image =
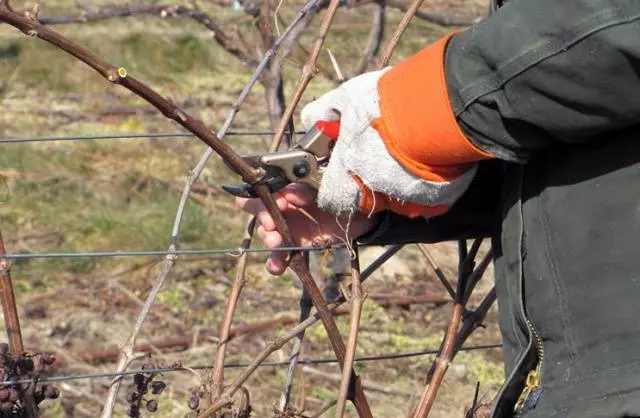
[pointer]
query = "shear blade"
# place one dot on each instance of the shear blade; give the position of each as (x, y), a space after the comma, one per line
(240, 190)
(275, 181)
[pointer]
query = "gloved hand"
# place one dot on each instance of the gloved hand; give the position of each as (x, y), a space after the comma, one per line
(400, 148)
(370, 169)
(308, 224)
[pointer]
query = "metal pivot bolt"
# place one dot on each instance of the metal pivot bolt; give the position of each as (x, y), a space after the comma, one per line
(301, 168)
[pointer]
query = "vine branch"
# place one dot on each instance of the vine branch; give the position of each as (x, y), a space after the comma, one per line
(222, 37)
(357, 300)
(279, 342)
(216, 379)
(308, 72)
(375, 37)
(9, 308)
(12, 326)
(456, 333)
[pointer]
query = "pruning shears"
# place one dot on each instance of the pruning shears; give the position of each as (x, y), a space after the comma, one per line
(302, 163)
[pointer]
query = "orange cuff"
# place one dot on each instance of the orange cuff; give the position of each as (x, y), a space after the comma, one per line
(374, 202)
(417, 125)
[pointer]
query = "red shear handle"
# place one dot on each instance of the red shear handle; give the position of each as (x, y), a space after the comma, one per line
(329, 128)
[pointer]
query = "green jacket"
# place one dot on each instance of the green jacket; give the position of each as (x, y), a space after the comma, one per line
(552, 88)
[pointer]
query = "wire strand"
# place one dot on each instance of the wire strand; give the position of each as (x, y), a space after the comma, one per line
(123, 135)
(388, 356)
(211, 251)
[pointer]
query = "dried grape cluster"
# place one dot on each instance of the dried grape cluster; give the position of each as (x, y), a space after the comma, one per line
(143, 383)
(23, 366)
(193, 402)
(239, 408)
(289, 413)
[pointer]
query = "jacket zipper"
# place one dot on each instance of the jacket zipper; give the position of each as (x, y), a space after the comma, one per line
(533, 384)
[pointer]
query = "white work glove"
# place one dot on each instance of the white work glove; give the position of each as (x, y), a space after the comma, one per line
(361, 152)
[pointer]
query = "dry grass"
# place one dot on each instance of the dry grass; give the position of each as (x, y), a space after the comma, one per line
(104, 195)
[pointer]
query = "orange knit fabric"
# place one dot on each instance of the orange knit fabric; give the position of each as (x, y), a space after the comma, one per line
(417, 125)
(371, 202)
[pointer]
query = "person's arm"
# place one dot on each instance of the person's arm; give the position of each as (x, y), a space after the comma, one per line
(475, 215)
(544, 72)
(538, 73)
(535, 74)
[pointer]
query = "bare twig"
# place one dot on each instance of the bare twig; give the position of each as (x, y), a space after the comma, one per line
(324, 409)
(322, 70)
(216, 378)
(273, 346)
(284, 40)
(467, 256)
(197, 170)
(455, 337)
(187, 340)
(179, 11)
(286, 121)
(410, 12)
(114, 285)
(440, 19)
(218, 33)
(464, 262)
(444, 356)
(357, 299)
(126, 355)
(194, 174)
(242, 408)
(336, 67)
(474, 404)
(383, 258)
(437, 270)
(391, 251)
(120, 76)
(272, 80)
(9, 308)
(12, 326)
(297, 265)
(473, 320)
(297, 262)
(393, 43)
(110, 13)
(308, 71)
(375, 37)
(305, 311)
(302, 394)
(279, 342)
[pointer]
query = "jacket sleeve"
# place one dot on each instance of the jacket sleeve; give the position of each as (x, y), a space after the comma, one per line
(544, 72)
(537, 73)
(475, 215)
(534, 74)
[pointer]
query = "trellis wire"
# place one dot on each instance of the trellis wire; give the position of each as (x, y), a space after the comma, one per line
(124, 135)
(388, 356)
(211, 251)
